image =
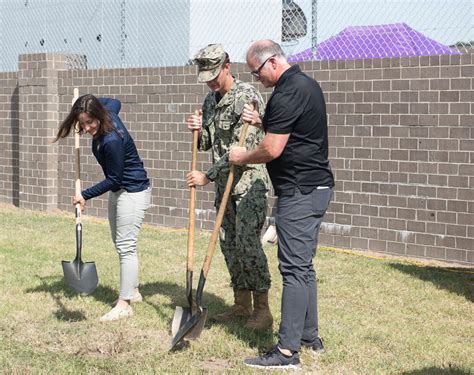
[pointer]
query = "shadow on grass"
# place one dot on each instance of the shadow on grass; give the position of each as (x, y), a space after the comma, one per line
(261, 340)
(456, 280)
(58, 289)
(215, 305)
(438, 371)
(56, 285)
(171, 290)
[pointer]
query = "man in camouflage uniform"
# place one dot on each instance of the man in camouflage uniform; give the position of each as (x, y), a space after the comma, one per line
(219, 124)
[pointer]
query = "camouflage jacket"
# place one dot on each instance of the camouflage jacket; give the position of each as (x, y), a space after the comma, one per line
(221, 128)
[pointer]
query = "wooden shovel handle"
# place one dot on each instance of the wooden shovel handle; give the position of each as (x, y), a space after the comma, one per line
(222, 208)
(77, 152)
(192, 204)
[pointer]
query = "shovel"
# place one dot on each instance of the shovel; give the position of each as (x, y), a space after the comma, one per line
(81, 277)
(195, 324)
(183, 314)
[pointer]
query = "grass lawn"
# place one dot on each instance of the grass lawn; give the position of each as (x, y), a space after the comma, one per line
(377, 316)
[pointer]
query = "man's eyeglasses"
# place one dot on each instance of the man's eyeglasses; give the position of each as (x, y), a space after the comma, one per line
(256, 72)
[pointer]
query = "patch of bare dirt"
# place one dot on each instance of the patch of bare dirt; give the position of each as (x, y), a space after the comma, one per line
(216, 365)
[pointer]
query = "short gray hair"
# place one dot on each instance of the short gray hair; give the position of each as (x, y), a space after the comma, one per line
(262, 49)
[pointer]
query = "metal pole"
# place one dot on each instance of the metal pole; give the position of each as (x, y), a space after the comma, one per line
(314, 28)
(123, 35)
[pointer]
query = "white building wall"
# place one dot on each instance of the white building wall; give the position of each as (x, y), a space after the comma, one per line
(233, 23)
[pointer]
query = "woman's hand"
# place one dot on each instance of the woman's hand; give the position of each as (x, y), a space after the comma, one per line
(79, 199)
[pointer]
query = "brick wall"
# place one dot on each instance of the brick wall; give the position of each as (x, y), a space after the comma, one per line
(402, 134)
(401, 138)
(9, 138)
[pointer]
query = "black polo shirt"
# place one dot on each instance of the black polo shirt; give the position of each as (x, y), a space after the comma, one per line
(297, 107)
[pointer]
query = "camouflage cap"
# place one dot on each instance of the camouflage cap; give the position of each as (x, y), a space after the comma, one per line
(209, 61)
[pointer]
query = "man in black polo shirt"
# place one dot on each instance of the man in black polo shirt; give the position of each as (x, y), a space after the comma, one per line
(295, 149)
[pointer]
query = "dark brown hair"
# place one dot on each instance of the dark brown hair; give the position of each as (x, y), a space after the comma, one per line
(226, 59)
(93, 107)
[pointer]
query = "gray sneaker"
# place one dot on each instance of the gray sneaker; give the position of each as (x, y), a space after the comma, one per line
(275, 360)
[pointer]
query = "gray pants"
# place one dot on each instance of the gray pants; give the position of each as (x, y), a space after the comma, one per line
(298, 220)
(126, 212)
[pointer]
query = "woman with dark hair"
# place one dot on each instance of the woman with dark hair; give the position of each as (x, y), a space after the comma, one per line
(126, 181)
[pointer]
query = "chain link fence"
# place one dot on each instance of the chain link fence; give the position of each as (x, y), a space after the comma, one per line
(151, 33)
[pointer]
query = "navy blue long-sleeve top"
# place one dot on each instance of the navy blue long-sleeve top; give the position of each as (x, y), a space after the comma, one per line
(118, 156)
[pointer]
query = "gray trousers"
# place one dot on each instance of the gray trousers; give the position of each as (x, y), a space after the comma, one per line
(298, 220)
(126, 212)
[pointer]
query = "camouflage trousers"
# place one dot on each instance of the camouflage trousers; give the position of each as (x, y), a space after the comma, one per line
(240, 240)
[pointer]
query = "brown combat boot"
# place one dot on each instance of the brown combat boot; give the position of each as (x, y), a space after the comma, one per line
(242, 307)
(261, 318)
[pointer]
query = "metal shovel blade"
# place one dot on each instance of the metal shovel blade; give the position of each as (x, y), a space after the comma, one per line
(187, 325)
(81, 277)
(182, 315)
